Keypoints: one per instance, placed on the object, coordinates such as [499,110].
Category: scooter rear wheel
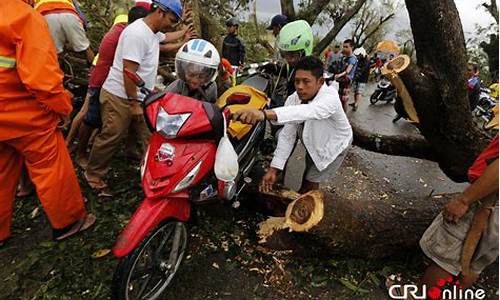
[148,270]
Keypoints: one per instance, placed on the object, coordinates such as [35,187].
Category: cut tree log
[363,216]
[302,213]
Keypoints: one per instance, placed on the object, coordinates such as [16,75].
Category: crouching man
[312,114]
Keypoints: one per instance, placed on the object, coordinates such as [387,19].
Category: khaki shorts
[358,87]
[317,176]
[443,242]
[67,29]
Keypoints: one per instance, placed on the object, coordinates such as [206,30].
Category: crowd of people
[35,107]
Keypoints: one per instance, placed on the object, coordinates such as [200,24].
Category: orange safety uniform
[53,6]
[32,99]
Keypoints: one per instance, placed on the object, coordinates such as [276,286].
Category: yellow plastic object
[388,46]
[96,57]
[494,122]
[120,19]
[494,90]
[258,100]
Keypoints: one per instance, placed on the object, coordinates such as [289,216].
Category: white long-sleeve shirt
[326,133]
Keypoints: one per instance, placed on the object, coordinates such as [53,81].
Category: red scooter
[177,171]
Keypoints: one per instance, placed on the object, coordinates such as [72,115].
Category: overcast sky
[470,14]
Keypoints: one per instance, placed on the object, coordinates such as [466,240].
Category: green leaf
[353,287]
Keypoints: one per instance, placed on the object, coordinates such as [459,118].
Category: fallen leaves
[101,253]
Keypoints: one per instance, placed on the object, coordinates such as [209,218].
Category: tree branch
[377,28]
[311,13]
[399,145]
[346,17]
[492,9]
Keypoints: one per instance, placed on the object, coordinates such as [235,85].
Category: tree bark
[363,216]
[437,86]
[287,9]
[412,146]
[330,36]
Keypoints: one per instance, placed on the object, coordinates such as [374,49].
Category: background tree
[490,46]
[369,24]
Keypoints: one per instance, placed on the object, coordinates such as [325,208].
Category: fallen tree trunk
[401,145]
[363,216]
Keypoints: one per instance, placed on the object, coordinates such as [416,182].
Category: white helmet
[197,58]
[360,51]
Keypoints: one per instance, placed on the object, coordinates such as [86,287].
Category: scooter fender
[150,214]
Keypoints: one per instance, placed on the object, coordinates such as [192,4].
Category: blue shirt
[350,60]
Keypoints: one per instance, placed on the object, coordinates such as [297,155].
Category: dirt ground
[224,260]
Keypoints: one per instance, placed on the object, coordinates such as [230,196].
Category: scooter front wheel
[148,270]
[374,98]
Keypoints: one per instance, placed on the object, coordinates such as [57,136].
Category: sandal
[96,184]
[82,162]
[78,226]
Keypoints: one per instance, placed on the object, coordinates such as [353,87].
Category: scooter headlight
[169,125]
[188,179]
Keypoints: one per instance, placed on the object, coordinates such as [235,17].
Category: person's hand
[266,185]
[336,76]
[248,116]
[455,209]
[136,111]
[190,33]
[64,123]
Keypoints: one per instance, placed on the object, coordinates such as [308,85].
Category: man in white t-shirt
[138,50]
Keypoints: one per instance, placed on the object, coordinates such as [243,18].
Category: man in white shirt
[313,114]
[138,51]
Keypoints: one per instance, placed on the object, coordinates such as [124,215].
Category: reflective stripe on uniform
[7,62]
[40,2]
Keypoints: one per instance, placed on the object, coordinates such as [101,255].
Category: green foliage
[101,14]
[254,39]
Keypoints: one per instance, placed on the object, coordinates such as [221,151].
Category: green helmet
[296,36]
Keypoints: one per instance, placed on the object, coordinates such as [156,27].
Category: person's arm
[346,71]
[224,49]
[211,92]
[484,186]
[175,35]
[130,87]
[171,47]
[322,108]
[242,53]
[37,64]
[286,141]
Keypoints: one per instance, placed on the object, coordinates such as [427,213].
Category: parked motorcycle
[178,172]
[385,91]
[485,105]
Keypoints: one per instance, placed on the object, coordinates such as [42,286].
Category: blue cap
[174,6]
[278,20]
